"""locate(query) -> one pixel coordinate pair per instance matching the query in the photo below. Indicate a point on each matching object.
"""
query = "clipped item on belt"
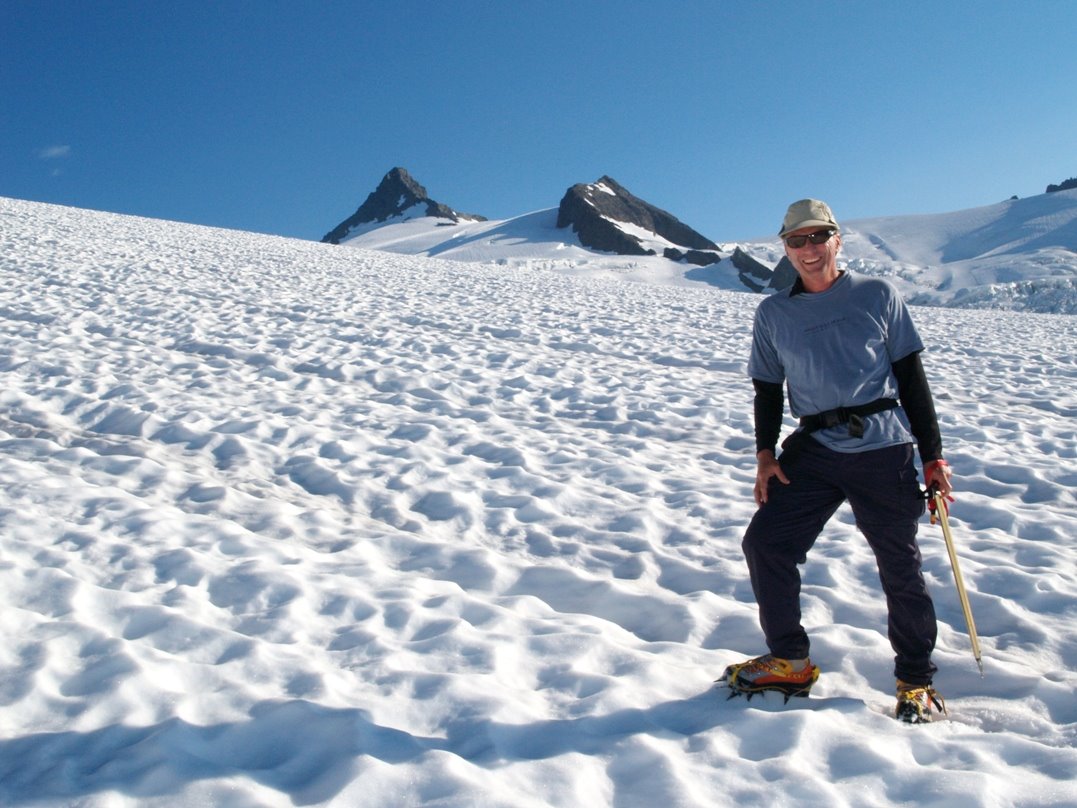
(853, 416)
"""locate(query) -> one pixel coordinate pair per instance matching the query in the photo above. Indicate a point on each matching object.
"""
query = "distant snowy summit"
(1020, 254)
(601, 216)
(398, 196)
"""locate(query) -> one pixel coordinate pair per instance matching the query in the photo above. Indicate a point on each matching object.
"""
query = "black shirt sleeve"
(768, 406)
(915, 396)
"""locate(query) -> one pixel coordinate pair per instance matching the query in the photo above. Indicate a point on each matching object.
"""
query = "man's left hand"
(937, 475)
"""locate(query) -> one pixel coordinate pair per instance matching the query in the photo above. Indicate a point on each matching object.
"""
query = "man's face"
(817, 264)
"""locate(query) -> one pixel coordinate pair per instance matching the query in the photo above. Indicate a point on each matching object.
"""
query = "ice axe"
(941, 511)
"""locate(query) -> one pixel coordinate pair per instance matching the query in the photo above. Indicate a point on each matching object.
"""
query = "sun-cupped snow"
(283, 524)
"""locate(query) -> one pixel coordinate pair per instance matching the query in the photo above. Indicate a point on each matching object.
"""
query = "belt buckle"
(856, 426)
(833, 418)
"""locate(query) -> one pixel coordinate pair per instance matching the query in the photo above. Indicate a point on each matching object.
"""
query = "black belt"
(853, 416)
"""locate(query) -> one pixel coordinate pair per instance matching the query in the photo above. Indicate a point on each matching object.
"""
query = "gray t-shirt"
(834, 349)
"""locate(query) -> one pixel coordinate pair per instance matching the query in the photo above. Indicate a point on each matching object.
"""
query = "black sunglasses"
(818, 237)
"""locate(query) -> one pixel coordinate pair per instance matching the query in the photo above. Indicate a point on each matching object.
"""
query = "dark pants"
(881, 487)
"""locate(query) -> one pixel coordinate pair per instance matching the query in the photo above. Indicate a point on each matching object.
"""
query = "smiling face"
(817, 264)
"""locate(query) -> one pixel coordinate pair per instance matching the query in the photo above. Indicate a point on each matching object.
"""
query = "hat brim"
(808, 223)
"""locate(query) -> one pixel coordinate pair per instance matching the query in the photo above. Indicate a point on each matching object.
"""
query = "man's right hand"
(767, 467)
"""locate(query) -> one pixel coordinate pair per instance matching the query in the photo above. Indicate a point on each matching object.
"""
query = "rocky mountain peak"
(397, 195)
(594, 211)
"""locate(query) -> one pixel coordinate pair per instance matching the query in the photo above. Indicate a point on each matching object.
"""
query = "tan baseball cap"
(808, 213)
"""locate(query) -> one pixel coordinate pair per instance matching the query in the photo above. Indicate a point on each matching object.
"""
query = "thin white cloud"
(54, 152)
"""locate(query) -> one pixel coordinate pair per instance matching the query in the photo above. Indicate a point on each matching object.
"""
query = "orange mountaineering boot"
(768, 672)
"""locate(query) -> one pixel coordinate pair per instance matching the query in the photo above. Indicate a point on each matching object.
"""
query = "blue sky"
(280, 117)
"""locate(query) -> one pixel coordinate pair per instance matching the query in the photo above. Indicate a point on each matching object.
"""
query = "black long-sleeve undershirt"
(769, 406)
(913, 392)
(915, 396)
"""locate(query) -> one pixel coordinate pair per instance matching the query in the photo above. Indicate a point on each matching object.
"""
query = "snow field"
(290, 524)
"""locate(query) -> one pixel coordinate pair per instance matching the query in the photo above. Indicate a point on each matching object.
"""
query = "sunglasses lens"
(818, 237)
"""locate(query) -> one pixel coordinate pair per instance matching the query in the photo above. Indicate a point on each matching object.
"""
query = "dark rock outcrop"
(758, 277)
(593, 212)
(396, 193)
(752, 273)
(700, 258)
(784, 276)
(1065, 186)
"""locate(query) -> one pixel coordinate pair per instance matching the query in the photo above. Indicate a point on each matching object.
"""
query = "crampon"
(915, 703)
(769, 673)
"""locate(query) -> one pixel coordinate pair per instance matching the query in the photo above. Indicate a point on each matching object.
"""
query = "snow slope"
(531, 241)
(288, 524)
(1020, 254)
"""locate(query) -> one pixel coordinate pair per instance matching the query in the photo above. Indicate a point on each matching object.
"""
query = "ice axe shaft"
(940, 509)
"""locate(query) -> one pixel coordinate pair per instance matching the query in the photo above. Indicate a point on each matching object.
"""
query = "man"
(847, 350)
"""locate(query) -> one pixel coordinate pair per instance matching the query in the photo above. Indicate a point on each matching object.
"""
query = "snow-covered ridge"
(1020, 254)
(288, 524)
